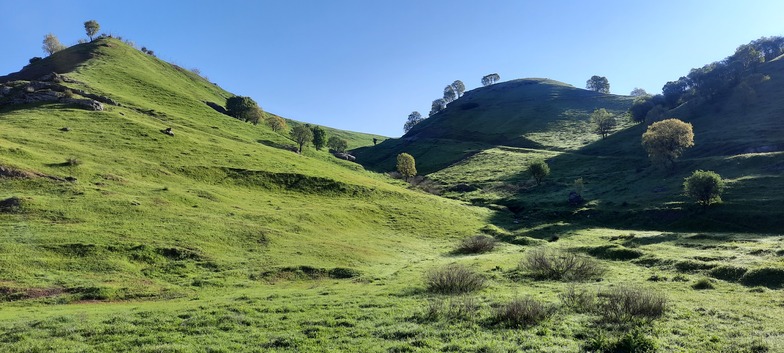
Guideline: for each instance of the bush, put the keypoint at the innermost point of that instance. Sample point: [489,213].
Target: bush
[766,277]
[579,300]
[460,308]
[476,245]
[521,312]
[728,273]
[35,59]
[689,266]
[560,265]
[453,279]
[539,170]
[705,187]
[635,342]
[626,304]
[702,284]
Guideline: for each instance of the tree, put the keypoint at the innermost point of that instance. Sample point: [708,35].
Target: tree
[337,144]
[406,165]
[673,91]
[598,84]
[665,140]
[413,119]
[276,123]
[539,170]
[243,108]
[319,137]
[603,122]
[91,27]
[301,135]
[638,92]
[459,88]
[449,94]
[703,186]
[437,106]
[52,44]
[490,79]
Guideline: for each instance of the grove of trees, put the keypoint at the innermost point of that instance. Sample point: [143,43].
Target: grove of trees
[665,141]
[406,166]
[598,83]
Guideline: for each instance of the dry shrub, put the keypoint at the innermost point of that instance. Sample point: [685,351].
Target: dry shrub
[453,279]
[560,265]
[522,312]
[460,308]
[476,245]
[627,304]
[580,300]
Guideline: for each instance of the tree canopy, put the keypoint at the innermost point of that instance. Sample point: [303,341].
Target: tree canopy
[459,88]
[603,122]
[244,108]
[490,79]
[450,95]
[665,140]
[276,123]
[437,106]
[538,169]
[703,186]
[598,83]
[301,135]
[319,137]
[91,27]
[406,165]
[638,92]
[337,144]
[51,44]
[413,119]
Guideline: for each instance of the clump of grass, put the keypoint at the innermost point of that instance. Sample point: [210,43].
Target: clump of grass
[522,312]
[689,266]
[476,245]
[702,284]
[453,279]
[614,252]
[634,341]
[627,304]
[728,273]
[560,265]
[460,308]
[73,162]
[766,277]
[579,300]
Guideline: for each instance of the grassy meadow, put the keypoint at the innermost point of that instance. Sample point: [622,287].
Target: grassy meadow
[117,237]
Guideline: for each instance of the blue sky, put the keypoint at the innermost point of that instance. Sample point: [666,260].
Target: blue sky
[364,65]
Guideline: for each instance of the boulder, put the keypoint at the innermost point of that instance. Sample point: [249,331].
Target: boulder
[346,156]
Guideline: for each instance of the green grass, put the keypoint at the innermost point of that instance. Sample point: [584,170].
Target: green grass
[215,240]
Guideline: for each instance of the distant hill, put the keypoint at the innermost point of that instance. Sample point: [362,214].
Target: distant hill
[530,113]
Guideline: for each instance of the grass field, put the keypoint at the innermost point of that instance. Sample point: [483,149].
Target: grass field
[117,237]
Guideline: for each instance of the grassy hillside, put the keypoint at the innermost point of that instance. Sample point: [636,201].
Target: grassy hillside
[118,237]
[530,113]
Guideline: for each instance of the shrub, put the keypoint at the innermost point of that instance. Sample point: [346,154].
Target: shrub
[560,265]
[626,304]
[579,300]
[68,93]
[635,342]
[453,279]
[476,245]
[539,170]
[690,266]
[705,187]
[728,273]
[460,308]
[35,59]
[521,312]
[703,283]
[767,277]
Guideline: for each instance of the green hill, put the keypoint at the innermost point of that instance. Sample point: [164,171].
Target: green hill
[529,113]
[117,236]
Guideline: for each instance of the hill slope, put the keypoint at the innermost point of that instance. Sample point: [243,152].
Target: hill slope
[529,113]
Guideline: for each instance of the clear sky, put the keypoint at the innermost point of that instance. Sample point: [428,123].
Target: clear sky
[364,65]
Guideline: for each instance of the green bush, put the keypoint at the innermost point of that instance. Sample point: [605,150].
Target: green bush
[702,284]
[705,187]
[543,263]
[579,300]
[453,279]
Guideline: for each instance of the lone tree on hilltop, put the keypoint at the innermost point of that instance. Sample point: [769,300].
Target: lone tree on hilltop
[598,84]
[539,170]
[665,140]
[319,137]
[490,79]
[91,27]
[276,123]
[301,135]
[406,165]
[52,44]
[459,88]
[603,122]
[413,119]
[704,186]
[337,144]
